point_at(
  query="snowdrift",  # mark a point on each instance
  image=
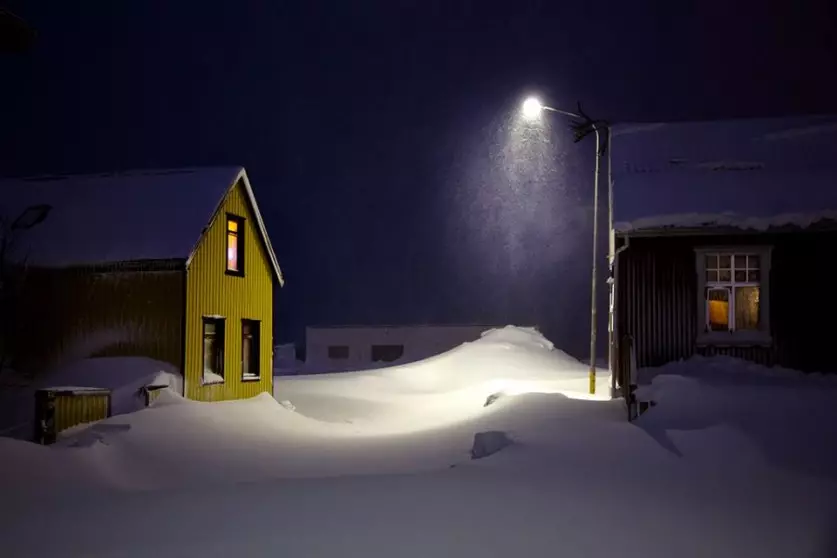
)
(445, 388)
(124, 376)
(418, 417)
(380, 463)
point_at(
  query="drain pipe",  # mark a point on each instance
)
(613, 345)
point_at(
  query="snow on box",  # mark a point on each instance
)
(749, 174)
(578, 479)
(125, 216)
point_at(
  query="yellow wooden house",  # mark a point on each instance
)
(174, 265)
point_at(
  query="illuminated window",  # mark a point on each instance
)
(213, 350)
(734, 285)
(235, 245)
(717, 309)
(250, 349)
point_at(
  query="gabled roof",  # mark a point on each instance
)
(754, 174)
(125, 216)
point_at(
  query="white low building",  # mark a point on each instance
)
(334, 348)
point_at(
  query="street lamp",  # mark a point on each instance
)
(532, 108)
(582, 125)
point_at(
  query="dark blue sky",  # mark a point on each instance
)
(376, 133)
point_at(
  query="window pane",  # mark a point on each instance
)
(724, 275)
(712, 275)
(753, 262)
(717, 309)
(246, 349)
(249, 349)
(740, 261)
(247, 356)
(724, 262)
(232, 225)
(753, 276)
(712, 261)
(208, 354)
(213, 345)
(232, 252)
(740, 275)
(746, 308)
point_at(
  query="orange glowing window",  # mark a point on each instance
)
(717, 309)
(733, 289)
(235, 245)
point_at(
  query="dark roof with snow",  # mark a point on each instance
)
(125, 216)
(756, 175)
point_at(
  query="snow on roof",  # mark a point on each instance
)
(728, 220)
(750, 174)
(125, 216)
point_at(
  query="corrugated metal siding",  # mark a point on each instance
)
(657, 299)
(211, 292)
(82, 312)
(74, 408)
(656, 303)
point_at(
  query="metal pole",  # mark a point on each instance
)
(595, 268)
(611, 258)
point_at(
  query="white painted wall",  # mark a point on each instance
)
(419, 341)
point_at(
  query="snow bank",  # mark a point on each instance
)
(727, 370)
(379, 463)
(417, 417)
(124, 376)
(445, 389)
(722, 407)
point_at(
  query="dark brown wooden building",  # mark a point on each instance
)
(760, 295)
(723, 239)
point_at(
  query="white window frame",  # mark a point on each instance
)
(725, 338)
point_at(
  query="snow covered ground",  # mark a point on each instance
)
(378, 464)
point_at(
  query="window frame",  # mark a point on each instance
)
(759, 337)
(256, 333)
(239, 235)
(221, 335)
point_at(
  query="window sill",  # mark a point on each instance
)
(734, 339)
(234, 273)
(212, 383)
(251, 378)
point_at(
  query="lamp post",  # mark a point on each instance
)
(583, 125)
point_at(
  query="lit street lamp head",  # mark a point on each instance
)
(532, 108)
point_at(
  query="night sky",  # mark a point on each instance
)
(379, 135)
